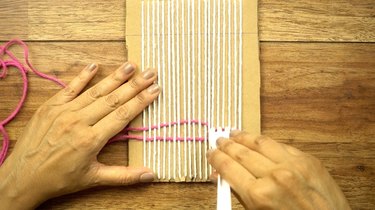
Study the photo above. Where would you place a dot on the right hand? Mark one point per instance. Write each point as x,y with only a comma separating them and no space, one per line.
265,174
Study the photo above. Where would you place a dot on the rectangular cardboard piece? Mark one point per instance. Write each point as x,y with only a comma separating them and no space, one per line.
250,72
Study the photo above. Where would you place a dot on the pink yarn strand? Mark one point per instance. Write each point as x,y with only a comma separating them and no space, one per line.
14,62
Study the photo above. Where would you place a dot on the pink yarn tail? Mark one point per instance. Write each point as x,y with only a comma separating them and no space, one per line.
14,62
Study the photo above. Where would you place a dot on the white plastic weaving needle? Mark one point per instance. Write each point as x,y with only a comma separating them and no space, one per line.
224,201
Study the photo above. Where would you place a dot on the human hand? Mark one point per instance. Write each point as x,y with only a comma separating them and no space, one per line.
265,174
57,152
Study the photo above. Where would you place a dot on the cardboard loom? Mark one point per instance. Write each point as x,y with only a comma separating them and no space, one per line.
250,76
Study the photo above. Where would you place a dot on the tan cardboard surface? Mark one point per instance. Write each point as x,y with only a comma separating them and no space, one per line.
250,78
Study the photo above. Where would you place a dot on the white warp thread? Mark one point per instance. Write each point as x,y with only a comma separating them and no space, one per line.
199,57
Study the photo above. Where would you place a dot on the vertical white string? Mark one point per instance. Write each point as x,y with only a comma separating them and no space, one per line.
241,68
199,88
153,66
223,66
149,64
173,100
218,54
235,72
159,76
143,67
164,94
193,89
169,87
235,105
213,57
206,174
184,85
229,56
178,88
210,91
189,86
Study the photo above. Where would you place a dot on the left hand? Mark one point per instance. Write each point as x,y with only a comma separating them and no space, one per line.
57,152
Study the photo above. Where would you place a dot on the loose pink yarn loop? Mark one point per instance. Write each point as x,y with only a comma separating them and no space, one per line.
14,62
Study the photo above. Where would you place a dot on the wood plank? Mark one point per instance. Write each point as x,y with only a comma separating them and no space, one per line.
63,20
303,20
316,96
325,20
318,92
13,16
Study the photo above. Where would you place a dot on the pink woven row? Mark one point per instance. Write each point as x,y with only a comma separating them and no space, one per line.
122,137
154,127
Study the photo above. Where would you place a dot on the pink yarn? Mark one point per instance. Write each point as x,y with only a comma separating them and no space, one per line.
126,136
14,62
154,127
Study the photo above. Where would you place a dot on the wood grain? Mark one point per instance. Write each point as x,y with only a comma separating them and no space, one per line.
290,20
324,20
318,97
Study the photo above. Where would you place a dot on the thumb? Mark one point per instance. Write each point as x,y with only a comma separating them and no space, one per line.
122,175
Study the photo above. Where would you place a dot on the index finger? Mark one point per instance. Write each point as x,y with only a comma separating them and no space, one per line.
264,145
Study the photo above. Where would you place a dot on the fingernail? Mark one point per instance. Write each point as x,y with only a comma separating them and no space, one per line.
153,88
148,74
147,177
91,67
128,68
234,133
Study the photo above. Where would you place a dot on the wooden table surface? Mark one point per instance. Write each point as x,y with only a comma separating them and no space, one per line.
317,93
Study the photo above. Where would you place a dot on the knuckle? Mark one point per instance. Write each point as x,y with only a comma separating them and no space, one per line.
241,137
112,100
69,91
242,154
259,197
141,99
127,179
282,175
123,113
68,122
308,164
224,165
81,77
226,146
85,140
94,93
260,140
134,83
117,77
